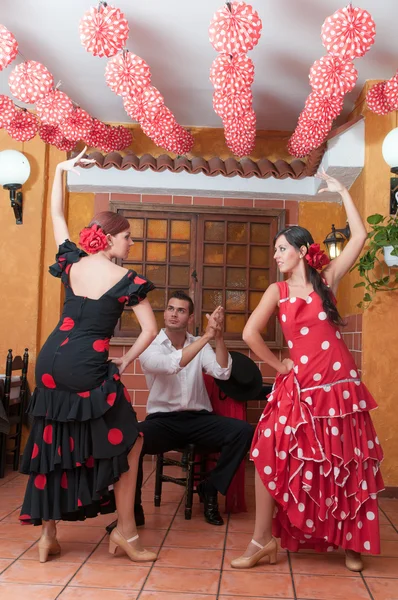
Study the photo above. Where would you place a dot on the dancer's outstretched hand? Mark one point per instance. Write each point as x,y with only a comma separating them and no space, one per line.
333,185
68,165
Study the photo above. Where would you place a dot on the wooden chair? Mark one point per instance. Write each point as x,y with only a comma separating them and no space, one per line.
14,406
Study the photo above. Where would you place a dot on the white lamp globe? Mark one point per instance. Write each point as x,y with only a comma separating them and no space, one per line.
14,167
389,148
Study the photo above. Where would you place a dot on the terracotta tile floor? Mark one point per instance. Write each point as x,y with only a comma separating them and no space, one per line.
194,558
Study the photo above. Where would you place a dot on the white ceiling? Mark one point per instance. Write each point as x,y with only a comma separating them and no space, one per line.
172,36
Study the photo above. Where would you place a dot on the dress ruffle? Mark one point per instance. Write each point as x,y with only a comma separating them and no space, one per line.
68,253
321,464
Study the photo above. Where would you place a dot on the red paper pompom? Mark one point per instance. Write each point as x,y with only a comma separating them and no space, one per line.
144,106
227,106
323,108
24,126
163,124
77,126
103,30
118,138
376,99
8,47
180,141
230,73
235,28
349,32
66,145
240,133
298,145
391,92
29,81
315,131
7,110
127,74
97,134
51,134
331,75
54,108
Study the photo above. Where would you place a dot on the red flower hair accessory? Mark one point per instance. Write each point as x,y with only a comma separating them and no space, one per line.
316,258
92,239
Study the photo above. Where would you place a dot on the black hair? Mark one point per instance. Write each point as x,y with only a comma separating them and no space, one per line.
298,237
181,295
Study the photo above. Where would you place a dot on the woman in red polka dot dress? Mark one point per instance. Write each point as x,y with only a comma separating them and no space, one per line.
84,437
316,453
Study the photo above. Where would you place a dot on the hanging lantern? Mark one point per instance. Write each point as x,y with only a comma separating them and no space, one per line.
24,126
54,108
7,110
50,134
227,106
8,47
103,30
77,126
144,106
331,75
391,92
29,81
323,108
231,73
349,32
127,74
235,28
376,99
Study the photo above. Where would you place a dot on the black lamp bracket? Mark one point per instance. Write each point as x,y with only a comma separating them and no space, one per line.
16,200
346,231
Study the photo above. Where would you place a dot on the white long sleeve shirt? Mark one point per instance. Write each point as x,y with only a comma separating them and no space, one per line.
176,388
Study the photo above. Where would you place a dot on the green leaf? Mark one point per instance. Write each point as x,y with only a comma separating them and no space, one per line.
361,284
367,298
375,219
360,304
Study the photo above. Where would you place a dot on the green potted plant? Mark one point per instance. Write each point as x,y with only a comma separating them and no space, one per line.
377,273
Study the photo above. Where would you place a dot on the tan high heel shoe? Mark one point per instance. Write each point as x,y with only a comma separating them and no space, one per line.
353,561
48,547
117,540
247,562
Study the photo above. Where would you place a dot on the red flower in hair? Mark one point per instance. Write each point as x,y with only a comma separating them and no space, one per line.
316,258
92,239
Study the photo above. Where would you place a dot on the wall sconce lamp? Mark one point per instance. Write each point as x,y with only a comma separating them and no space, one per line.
390,154
335,241
14,171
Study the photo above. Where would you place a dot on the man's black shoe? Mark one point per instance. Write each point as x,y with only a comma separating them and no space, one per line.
209,498
138,515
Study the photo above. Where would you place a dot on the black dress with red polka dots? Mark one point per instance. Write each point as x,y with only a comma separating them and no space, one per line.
84,424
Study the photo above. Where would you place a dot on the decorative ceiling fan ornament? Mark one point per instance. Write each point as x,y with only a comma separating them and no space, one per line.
231,73
24,126
8,47
376,99
323,108
127,74
7,110
103,30
29,81
77,125
54,108
332,75
235,28
349,32
144,106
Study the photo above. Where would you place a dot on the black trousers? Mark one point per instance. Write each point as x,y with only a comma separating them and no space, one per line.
168,431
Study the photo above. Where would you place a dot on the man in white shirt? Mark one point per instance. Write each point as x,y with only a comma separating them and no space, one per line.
179,408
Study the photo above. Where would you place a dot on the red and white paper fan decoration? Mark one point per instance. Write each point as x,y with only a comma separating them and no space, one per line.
235,28
77,126
240,133
332,75
376,99
228,106
50,134
163,123
349,32
144,106
54,108
119,138
7,110
316,131
391,92
29,81
298,145
66,145
97,134
103,30
323,108
127,74
24,126
8,47
230,73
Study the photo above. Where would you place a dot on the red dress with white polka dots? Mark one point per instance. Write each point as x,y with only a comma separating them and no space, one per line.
84,425
315,447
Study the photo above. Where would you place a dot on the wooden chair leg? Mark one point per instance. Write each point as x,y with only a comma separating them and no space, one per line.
158,480
190,482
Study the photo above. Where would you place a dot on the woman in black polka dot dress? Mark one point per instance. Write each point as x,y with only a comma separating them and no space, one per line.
84,439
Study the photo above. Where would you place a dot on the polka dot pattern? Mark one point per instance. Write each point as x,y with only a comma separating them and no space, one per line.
349,32
8,47
127,74
103,30
29,81
331,75
235,29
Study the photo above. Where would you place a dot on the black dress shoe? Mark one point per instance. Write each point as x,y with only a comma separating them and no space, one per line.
209,498
138,515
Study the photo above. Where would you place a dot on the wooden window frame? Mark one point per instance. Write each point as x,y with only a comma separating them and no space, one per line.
204,211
